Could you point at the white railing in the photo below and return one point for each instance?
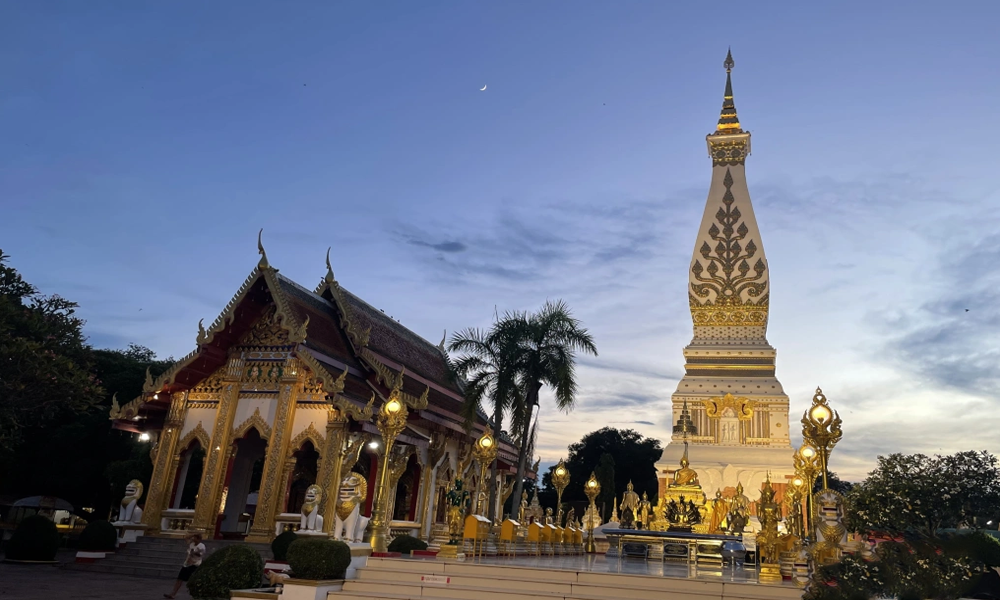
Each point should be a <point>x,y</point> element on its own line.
<point>287,522</point>
<point>176,520</point>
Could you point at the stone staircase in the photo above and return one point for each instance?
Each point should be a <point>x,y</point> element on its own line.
<point>401,579</point>
<point>154,557</point>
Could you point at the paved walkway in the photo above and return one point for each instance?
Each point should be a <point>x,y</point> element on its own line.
<point>45,582</point>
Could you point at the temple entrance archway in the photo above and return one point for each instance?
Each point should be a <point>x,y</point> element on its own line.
<point>189,476</point>
<point>303,476</point>
<point>244,482</point>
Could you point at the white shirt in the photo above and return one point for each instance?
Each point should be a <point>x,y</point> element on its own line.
<point>195,552</point>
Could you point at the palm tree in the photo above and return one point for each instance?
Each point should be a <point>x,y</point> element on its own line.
<point>485,369</point>
<point>545,354</point>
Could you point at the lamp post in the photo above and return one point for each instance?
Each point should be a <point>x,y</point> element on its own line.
<point>560,479</point>
<point>485,451</point>
<point>391,420</point>
<point>798,483</point>
<point>806,470</point>
<point>591,489</point>
<point>821,430</point>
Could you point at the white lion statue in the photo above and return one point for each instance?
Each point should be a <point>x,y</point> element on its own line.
<point>129,512</point>
<point>311,519</point>
<point>349,525</point>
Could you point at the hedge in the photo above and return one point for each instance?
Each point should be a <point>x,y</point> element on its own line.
<point>313,558</point>
<point>279,547</point>
<point>36,538</point>
<point>235,567</point>
<point>99,536</point>
<point>406,544</point>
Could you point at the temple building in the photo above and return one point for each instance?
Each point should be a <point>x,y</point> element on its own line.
<point>278,396</point>
<point>734,400</point>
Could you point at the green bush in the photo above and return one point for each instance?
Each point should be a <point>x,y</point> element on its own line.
<point>235,567</point>
<point>406,544</point>
<point>279,547</point>
<point>36,538</point>
<point>311,558</point>
<point>99,536</point>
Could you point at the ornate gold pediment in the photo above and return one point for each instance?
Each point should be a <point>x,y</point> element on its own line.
<point>198,433</point>
<point>742,406</point>
<point>255,421</point>
<point>311,434</point>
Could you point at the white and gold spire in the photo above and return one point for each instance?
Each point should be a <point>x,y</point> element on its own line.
<point>729,393</point>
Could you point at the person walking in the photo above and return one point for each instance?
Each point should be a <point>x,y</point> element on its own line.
<point>195,552</point>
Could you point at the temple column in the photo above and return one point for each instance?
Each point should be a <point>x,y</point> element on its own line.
<point>286,478</point>
<point>331,467</point>
<point>262,530</point>
<point>397,466</point>
<point>216,458</point>
<point>163,476</point>
<point>428,483</point>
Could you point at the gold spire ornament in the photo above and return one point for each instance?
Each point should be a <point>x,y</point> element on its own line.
<point>263,264</point>
<point>729,122</point>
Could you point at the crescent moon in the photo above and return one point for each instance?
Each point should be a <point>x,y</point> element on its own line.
<point>482,89</point>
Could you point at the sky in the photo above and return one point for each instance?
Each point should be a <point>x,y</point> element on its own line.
<point>142,146</point>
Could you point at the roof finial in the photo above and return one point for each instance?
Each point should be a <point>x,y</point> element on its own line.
<point>728,121</point>
<point>444,337</point>
<point>329,269</point>
<point>263,264</point>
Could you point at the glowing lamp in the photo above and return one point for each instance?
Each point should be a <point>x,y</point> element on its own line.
<point>486,442</point>
<point>592,483</point>
<point>820,413</point>
<point>143,437</point>
<point>797,482</point>
<point>807,451</point>
<point>560,471</point>
<point>373,445</point>
<point>393,406</point>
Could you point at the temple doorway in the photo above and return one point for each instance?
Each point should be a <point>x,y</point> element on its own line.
<point>189,477</point>
<point>405,501</point>
<point>303,476</point>
<point>244,484</point>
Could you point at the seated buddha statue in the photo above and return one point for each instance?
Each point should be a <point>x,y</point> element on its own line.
<point>685,476</point>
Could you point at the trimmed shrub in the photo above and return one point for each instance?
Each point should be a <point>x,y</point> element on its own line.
<point>36,538</point>
<point>235,567</point>
<point>312,558</point>
<point>99,536</point>
<point>406,544</point>
<point>279,547</point>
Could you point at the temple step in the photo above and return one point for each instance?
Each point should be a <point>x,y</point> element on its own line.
<point>401,579</point>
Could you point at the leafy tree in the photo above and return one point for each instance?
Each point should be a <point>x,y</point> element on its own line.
<point>77,455</point>
<point>918,494</point>
<point>484,366</point>
<point>45,364</point>
<point>605,473</point>
<point>632,458</point>
<point>834,483</point>
<point>546,347</point>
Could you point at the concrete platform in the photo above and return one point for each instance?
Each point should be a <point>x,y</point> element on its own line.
<point>590,577</point>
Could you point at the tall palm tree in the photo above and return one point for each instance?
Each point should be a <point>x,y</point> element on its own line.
<point>545,354</point>
<point>485,368</point>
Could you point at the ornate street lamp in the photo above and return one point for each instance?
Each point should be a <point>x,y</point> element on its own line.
<point>591,489</point>
<point>485,451</point>
<point>391,420</point>
<point>821,430</point>
<point>560,479</point>
<point>798,487</point>
<point>806,469</point>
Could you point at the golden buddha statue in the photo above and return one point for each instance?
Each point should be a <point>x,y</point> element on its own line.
<point>685,476</point>
<point>688,510</point>
<point>631,500</point>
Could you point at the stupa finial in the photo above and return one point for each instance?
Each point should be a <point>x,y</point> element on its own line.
<point>729,122</point>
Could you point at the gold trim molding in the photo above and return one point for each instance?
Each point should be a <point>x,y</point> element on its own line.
<point>255,421</point>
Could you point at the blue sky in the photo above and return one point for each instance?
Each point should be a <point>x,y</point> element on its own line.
<point>142,145</point>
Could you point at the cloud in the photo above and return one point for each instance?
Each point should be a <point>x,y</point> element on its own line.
<point>441,246</point>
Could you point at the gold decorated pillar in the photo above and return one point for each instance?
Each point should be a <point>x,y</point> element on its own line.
<point>164,465</point>
<point>271,486</point>
<point>286,480</point>
<point>428,483</point>
<point>397,466</point>
<point>331,469</point>
<point>216,459</point>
